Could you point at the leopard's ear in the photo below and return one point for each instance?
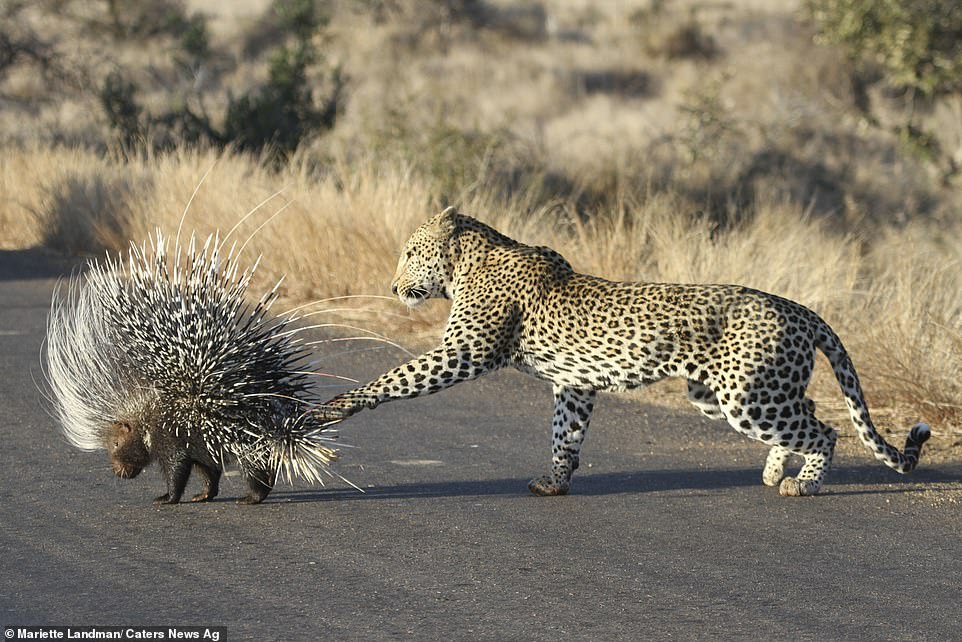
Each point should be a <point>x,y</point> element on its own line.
<point>444,223</point>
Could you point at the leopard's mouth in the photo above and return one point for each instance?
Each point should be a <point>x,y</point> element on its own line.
<point>413,297</point>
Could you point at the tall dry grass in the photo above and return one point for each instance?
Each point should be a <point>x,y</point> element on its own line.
<point>336,232</point>
<point>911,312</point>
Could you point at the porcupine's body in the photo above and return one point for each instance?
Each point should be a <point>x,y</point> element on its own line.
<point>162,360</point>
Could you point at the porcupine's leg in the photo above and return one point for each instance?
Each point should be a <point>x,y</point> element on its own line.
<point>211,477</point>
<point>259,482</point>
<point>176,467</point>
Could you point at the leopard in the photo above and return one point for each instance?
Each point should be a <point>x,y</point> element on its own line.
<point>747,355</point>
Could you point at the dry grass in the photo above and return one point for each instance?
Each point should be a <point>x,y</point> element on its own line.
<point>913,319</point>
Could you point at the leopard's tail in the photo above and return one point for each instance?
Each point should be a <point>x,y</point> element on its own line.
<point>903,462</point>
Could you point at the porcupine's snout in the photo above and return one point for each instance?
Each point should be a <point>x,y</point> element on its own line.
<point>123,470</point>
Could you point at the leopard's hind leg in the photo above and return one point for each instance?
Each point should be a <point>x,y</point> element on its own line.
<point>789,427</point>
<point>703,398</point>
<point>818,453</point>
<point>774,471</point>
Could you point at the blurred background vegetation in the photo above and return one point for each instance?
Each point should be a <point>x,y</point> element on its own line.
<point>806,147</point>
<point>851,107</point>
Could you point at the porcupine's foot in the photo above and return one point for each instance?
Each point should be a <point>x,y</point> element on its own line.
<point>211,477</point>
<point>165,499</point>
<point>259,484</point>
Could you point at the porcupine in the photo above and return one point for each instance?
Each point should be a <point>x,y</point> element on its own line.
<point>163,360</point>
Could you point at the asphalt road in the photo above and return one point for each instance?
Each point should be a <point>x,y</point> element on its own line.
<point>667,533</point>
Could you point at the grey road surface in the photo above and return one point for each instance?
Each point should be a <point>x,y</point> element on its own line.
<point>667,534</point>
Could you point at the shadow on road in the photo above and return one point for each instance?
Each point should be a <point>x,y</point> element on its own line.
<point>646,481</point>
<point>587,484</point>
<point>35,263</point>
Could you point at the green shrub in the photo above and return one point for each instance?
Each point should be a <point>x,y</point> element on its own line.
<point>300,18</point>
<point>195,37</point>
<point>286,19</point>
<point>118,98</point>
<point>916,43</point>
<point>281,113</point>
<point>275,116</point>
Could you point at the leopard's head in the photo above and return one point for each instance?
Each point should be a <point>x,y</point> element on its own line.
<point>426,266</point>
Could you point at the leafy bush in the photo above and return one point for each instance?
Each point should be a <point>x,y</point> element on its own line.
<point>300,19</point>
<point>118,98</point>
<point>275,116</point>
<point>282,112</point>
<point>917,43</point>
<point>195,37</point>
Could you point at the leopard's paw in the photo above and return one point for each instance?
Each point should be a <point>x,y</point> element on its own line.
<point>545,486</point>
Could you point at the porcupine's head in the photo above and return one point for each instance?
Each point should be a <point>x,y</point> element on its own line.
<point>168,342</point>
<point>127,448</point>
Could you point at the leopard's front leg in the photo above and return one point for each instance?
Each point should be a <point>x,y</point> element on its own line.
<point>572,413</point>
<point>431,372</point>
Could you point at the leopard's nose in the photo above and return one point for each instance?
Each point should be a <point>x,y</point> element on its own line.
<point>394,288</point>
